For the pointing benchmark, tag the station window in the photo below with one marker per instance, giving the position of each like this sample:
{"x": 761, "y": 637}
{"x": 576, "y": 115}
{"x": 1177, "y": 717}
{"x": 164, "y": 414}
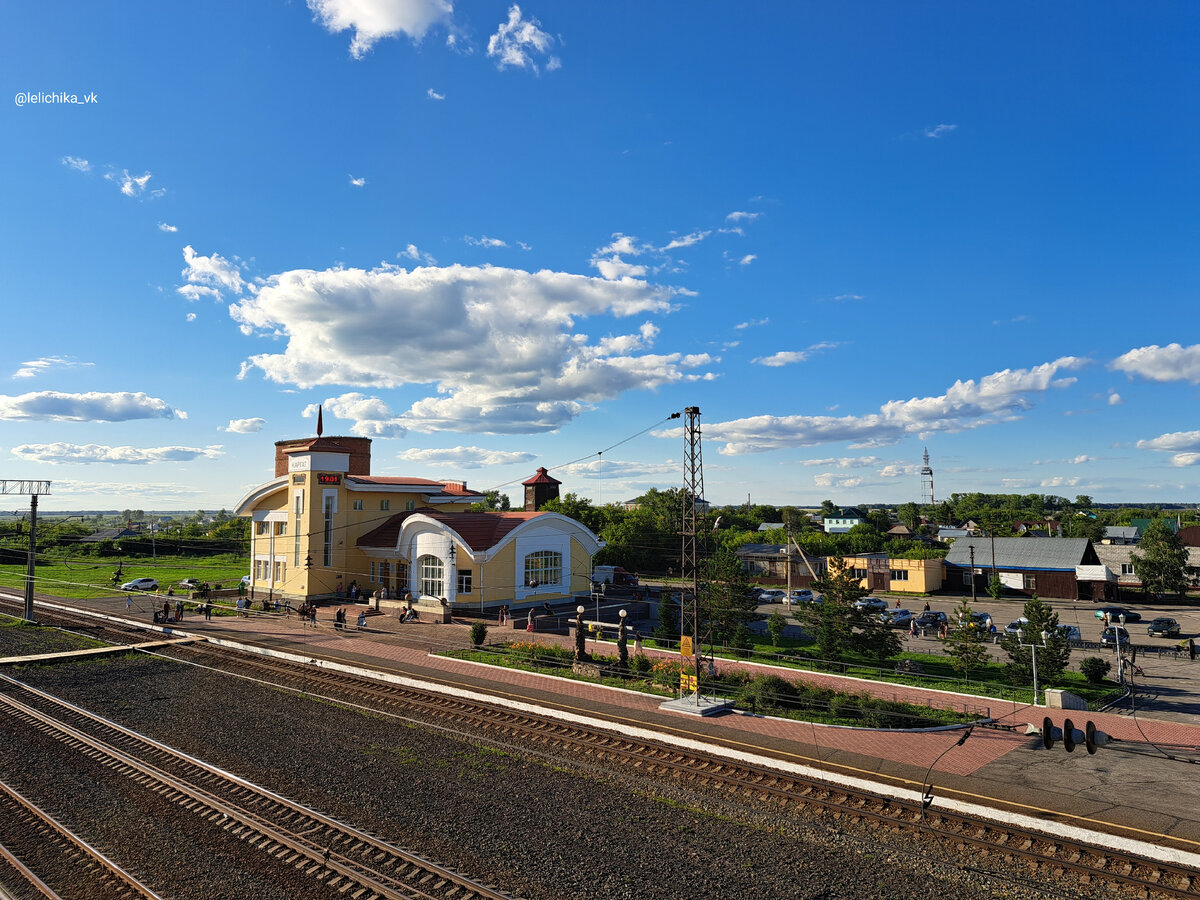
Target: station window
{"x": 358, "y": 504}
{"x": 385, "y": 504}
{"x": 464, "y": 581}
{"x": 261, "y": 528}
{"x": 299, "y": 502}
{"x": 859, "y": 573}
{"x": 1031, "y": 582}
{"x": 543, "y": 567}
{"x": 899, "y": 574}
{"x": 371, "y": 577}
{"x": 431, "y": 577}
{"x": 410, "y": 505}
{"x": 281, "y": 528}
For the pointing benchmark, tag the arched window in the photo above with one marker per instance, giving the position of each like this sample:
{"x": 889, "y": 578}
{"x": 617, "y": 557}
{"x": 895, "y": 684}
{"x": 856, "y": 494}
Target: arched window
{"x": 543, "y": 567}
{"x": 431, "y": 577}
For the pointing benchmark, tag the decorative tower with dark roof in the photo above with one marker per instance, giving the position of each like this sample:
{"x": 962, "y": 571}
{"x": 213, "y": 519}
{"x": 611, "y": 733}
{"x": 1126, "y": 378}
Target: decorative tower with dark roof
{"x": 540, "y": 489}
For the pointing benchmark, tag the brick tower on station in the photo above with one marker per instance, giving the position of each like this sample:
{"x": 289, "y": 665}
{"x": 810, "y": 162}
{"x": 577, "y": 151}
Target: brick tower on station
{"x": 539, "y": 489}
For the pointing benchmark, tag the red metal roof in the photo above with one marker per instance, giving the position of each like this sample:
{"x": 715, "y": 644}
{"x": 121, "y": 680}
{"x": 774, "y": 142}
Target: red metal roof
{"x": 542, "y": 477}
{"x": 479, "y": 530}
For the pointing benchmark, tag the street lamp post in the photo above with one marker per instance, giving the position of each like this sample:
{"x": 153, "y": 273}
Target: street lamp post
{"x": 1033, "y": 649}
{"x": 1117, "y": 632}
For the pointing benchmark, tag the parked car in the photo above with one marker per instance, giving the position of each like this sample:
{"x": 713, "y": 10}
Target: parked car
{"x": 1115, "y": 612}
{"x": 931, "y": 619}
{"x": 801, "y": 596}
{"x": 246, "y": 580}
{"x": 140, "y": 584}
{"x": 979, "y": 620}
{"x": 190, "y": 584}
{"x": 1114, "y": 635}
{"x": 897, "y": 618}
{"x": 1016, "y": 626}
{"x": 874, "y": 603}
{"x": 772, "y": 595}
{"x": 1163, "y": 627}
{"x": 1070, "y": 632}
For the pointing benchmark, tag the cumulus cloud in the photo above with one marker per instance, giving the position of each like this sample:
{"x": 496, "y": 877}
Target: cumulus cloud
{"x": 131, "y": 185}
{"x": 245, "y": 426}
{"x": 434, "y": 95}
{"x": 1059, "y": 481}
{"x": 1173, "y": 362}
{"x": 412, "y": 252}
{"x": 938, "y": 130}
{"x": 739, "y": 216}
{"x": 898, "y": 470}
{"x": 518, "y": 40}
{"x": 499, "y": 345}
{"x": 371, "y": 20}
{"x": 484, "y": 241}
{"x": 357, "y": 182}
{"x": 74, "y": 162}
{"x": 214, "y": 271}
{"x": 1185, "y": 459}
{"x": 466, "y": 457}
{"x": 751, "y": 323}
{"x": 747, "y": 259}
{"x": 190, "y": 317}
{"x": 55, "y": 406}
{"x": 163, "y": 226}
{"x": 97, "y": 453}
{"x": 1001, "y": 396}
{"x": 1175, "y": 440}
{"x": 789, "y": 357}
{"x": 195, "y": 292}
{"x": 828, "y": 479}
{"x": 34, "y": 367}
{"x": 1114, "y": 399}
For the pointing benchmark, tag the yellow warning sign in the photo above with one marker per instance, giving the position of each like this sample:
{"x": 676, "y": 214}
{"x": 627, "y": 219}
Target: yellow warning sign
{"x": 685, "y": 646}
{"x": 687, "y": 682}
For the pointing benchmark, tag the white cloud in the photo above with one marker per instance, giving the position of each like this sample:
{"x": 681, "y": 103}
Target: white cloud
{"x": 897, "y": 470}
{"x": 245, "y": 426}
{"x": 499, "y": 345}
{"x": 74, "y": 162}
{"x": 55, "y": 406}
{"x": 37, "y": 366}
{"x": 739, "y": 216}
{"x": 97, "y": 453}
{"x": 411, "y": 252}
{"x": 1059, "y": 481}
{"x": 1114, "y": 399}
{"x": 466, "y": 457}
{"x": 1185, "y": 459}
{"x": 1175, "y": 440}
{"x": 790, "y": 357}
{"x": 357, "y": 182}
{"x": 828, "y": 479}
{"x": 434, "y": 95}
{"x": 131, "y": 185}
{"x": 751, "y": 323}
{"x": 484, "y": 241}
{"x": 214, "y": 271}
{"x": 195, "y": 292}
{"x": 747, "y": 259}
{"x": 1081, "y": 459}
{"x": 848, "y": 297}
{"x": 1173, "y": 362}
{"x": 517, "y": 41}
{"x": 163, "y": 226}
{"x": 190, "y": 317}
{"x": 1001, "y": 396}
{"x": 372, "y": 20}
{"x": 687, "y": 240}
{"x": 938, "y": 130}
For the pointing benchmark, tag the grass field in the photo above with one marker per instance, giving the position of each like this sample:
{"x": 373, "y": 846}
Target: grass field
{"x": 88, "y": 577}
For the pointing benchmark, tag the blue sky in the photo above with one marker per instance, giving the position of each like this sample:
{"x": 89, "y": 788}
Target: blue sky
{"x": 495, "y": 237}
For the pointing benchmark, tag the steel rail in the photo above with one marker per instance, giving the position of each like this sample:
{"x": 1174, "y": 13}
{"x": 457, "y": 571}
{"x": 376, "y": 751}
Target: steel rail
{"x": 309, "y": 833}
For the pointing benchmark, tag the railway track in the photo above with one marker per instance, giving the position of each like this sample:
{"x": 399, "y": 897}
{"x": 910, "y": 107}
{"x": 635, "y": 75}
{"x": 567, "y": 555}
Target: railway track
{"x": 353, "y": 862}
{"x": 1059, "y": 858}
{"x": 55, "y": 861}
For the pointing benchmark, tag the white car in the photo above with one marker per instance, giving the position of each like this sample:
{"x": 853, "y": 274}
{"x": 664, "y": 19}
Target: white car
{"x": 772, "y": 596}
{"x": 140, "y": 584}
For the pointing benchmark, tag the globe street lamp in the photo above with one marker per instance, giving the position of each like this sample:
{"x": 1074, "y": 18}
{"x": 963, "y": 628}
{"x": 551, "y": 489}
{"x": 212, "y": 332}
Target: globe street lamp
{"x": 1117, "y": 632}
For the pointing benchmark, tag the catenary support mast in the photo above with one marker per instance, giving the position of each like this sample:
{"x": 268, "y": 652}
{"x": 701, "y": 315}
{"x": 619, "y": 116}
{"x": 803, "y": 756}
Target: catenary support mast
{"x": 33, "y": 489}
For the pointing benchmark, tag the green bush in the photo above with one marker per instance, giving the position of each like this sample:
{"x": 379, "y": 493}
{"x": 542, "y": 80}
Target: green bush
{"x": 478, "y": 633}
{"x": 1095, "y": 669}
{"x": 770, "y": 692}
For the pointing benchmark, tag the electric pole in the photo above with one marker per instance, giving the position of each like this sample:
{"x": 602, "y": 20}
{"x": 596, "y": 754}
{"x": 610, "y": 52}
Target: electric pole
{"x": 33, "y": 489}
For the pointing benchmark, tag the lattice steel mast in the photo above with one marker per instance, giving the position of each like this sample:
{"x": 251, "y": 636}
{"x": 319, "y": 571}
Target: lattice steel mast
{"x": 33, "y": 488}
{"x": 692, "y": 556}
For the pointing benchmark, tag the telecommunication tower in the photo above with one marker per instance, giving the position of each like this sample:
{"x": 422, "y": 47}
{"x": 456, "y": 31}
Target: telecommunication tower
{"x": 926, "y": 481}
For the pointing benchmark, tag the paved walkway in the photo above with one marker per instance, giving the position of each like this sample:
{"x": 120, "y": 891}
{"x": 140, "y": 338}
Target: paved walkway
{"x": 1116, "y": 785}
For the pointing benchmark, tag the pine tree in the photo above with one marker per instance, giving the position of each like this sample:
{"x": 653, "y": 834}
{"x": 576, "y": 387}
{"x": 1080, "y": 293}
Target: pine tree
{"x": 1052, "y": 658}
{"x": 965, "y": 643}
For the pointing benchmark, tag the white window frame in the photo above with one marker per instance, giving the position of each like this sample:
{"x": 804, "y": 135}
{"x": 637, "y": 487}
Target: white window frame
{"x": 431, "y": 574}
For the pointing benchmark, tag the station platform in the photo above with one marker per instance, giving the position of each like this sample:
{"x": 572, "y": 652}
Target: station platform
{"x": 1129, "y": 788}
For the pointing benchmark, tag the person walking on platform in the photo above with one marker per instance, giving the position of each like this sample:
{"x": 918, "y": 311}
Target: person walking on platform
{"x": 129, "y": 600}
{"x": 339, "y": 619}
{"x": 179, "y": 610}
{"x": 207, "y": 611}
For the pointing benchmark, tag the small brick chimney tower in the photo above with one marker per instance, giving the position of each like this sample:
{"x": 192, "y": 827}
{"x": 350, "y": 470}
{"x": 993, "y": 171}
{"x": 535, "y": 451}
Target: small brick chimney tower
{"x": 539, "y": 489}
